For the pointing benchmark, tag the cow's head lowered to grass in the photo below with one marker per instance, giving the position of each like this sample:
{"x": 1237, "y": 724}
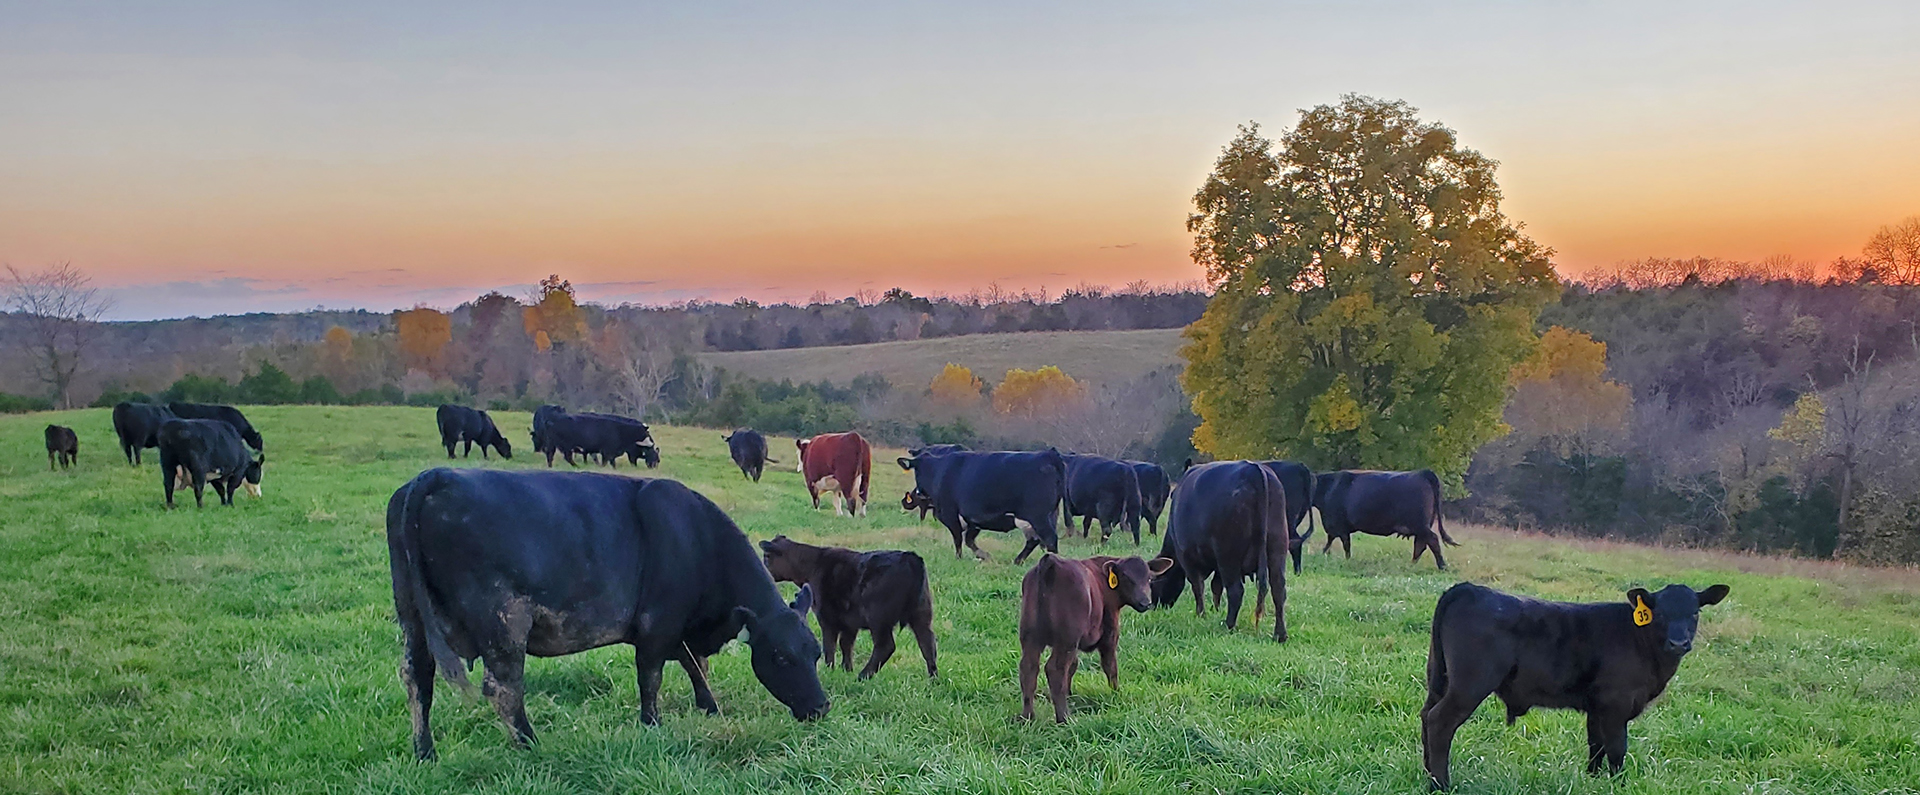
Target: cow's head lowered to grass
{"x": 786, "y": 659}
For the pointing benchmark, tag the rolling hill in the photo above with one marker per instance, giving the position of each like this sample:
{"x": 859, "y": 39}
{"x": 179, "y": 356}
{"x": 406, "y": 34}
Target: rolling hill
{"x": 1098, "y": 356}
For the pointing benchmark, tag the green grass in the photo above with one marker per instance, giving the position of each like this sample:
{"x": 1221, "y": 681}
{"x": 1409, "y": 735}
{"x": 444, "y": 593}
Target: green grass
{"x": 1102, "y": 357}
{"x": 253, "y": 649}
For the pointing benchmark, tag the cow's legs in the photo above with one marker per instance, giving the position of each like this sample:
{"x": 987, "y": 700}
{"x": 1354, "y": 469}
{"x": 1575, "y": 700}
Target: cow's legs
{"x": 1236, "y": 590}
{"x": 167, "y": 478}
{"x": 505, "y": 686}
{"x": 847, "y": 636}
{"x": 1346, "y": 545}
{"x": 416, "y": 672}
{"x": 696, "y": 675}
{"x": 1110, "y": 659}
{"x": 127, "y": 450}
{"x": 1218, "y": 587}
{"x": 1606, "y": 735}
{"x": 883, "y": 646}
{"x": 1029, "y": 677}
{"x": 1328, "y": 547}
{"x": 1086, "y": 525}
{"x": 1199, "y": 598}
{"x": 922, "y": 624}
{"x": 1061, "y": 666}
{"x": 1153, "y": 526}
{"x": 199, "y": 489}
{"x": 50, "y": 466}
{"x": 1439, "y": 722}
{"x": 1276, "y": 584}
{"x": 646, "y": 671}
{"x": 1433, "y": 542}
{"x": 973, "y": 543}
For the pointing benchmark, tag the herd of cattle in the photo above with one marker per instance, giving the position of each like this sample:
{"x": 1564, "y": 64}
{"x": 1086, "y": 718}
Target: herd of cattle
{"x": 496, "y": 565}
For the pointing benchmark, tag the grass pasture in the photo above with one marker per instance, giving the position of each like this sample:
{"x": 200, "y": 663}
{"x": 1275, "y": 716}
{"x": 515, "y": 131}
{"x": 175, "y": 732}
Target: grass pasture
{"x": 252, "y": 649}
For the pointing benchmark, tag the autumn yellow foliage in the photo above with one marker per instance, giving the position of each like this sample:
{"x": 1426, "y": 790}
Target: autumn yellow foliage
{"x": 955, "y": 387}
{"x": 1038, "y": 393}
{"x": 424, "y": 333}
{"x": 556, "y": 316}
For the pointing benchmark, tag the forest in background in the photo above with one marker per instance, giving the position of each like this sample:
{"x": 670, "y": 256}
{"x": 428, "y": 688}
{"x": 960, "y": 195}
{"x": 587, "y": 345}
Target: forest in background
{"x": 1691, "y": 402}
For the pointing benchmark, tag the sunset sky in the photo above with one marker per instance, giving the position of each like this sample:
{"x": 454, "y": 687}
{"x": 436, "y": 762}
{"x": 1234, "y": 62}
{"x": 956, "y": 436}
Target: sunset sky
{"x": 203, "y": 158}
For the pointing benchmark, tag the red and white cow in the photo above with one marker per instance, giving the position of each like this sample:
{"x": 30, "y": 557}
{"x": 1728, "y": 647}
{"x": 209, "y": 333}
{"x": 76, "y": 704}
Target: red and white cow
{"x": 840, "y": 464}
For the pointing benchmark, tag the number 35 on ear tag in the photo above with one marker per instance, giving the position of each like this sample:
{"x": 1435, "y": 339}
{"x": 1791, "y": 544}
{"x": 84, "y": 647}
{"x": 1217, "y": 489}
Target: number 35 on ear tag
{"x": 1113, "y": 580}
{"x": 1642, "y": 614}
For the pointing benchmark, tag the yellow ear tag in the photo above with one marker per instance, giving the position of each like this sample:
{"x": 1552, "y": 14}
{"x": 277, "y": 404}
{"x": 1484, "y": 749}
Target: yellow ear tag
{"x": 1113, "y": 580}
{"x": 1642, "y": 614}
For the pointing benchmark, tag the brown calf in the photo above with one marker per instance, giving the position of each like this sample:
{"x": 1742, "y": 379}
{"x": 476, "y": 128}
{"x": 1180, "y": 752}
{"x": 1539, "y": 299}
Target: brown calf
{"x": 63, "y": 442}
{"x": 1073, "y": 606}
{"x": 877, "y": 591}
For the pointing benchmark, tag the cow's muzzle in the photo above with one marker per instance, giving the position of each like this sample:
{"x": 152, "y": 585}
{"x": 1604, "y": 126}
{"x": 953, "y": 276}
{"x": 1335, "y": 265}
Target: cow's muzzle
{"x": 813, "y": 714}
{"x": 1677, "y": 648}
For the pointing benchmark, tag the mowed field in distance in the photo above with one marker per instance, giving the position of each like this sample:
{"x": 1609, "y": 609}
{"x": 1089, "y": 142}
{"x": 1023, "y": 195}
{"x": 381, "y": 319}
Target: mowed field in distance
{"x": 253, "y": 649}
{"x": 1101, "y": 357}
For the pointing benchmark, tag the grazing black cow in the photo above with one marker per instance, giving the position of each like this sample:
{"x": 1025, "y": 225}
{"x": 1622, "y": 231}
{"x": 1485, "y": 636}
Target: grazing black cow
{"x": 497, "y": 565}
{"x": 1382, "y": 504}
{"x": 994, "y": 491}
{"x": 1228, "y": 521}
{"x": 194, "y": 452}
{"x": 749, "y": 451}
{"x": 605, "y": 436}
{"x": 461, "y": 424}
{"x": 1607, "y": 660}
{"x": 541, "y": 416}
{"x": 1105, "y": 490}
{"x": 226, "y": 414}
{"x": 138, "y": 426}
{"x": 1155, "y": 487}
{"x": 878, "y": 591}
{"x": 64, "y": 443}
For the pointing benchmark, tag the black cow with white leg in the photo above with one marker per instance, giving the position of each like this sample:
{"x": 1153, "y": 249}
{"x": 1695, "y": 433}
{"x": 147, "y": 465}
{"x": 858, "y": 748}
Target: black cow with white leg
{"x": 497, "y": 565}
{"x": 1606, "y": 659}
{"x": 970, "y": 492}
{"x": 194, "y": 453}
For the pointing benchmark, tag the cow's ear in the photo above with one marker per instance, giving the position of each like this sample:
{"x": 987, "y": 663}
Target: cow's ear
{"x": 1159, "y": 566}
{"x": 802, "y": 601}
{"x": 746, "y": 618}
{"x": 766, "y": 546}
{"x": 1713, "y": 594}
{"x": 1640, "y": 600}
{"x": 1188, "y": 464}
{"x": 906, "y": 463}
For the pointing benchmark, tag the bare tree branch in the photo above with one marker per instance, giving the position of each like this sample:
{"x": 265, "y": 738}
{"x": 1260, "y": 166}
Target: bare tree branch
{"x": 62, "y": 309}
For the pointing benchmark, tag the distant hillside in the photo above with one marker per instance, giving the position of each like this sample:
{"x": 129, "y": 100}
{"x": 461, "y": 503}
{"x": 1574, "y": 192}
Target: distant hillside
{"x": 1105, "y": 357}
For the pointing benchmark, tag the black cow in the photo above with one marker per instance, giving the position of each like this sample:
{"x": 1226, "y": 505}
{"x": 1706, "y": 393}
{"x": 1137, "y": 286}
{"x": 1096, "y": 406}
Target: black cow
{"x": 749, "y": 451}
{"x": 1607, "y": 660}
{"x": 605, "y": 436}
{"x": 194, "y": 452}
{"x": 461, "y": 424}
{"x": 1382, "y": 504}
{"x": 1155, "y": 487}
{"x": 1105, "y": 490}
{"x": 63, "y": 443}
{"x": 878, "y": 591}
{"x": 1228, "y": 521}
{"x": 994, "y": 491}
{"x": 541, "y": 416}
{"x": 497, "y": 565}
{"x": 226, "y": 414}
{"x": 138, "y": 426}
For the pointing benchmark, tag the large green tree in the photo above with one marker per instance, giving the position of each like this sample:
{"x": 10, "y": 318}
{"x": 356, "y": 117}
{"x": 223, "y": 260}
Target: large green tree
{"x": 1370, "y": 298}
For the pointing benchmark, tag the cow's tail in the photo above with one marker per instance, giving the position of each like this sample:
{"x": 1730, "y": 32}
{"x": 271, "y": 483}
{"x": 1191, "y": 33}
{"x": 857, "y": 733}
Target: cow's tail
{"x": 1135, "y": 498}
{"x": 1436, "y": 652}
{"x": 1434, "y": 481}
{"x": 425, "y": 611}
{"x": 866, "y": 470}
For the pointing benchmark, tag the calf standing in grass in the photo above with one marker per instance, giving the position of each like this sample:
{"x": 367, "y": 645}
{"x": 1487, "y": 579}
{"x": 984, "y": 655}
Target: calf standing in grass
{"x": 62, "y": 441}
{"x": 877, "y": 591}
{"x": 1072, "y": 606}
{"x": 1607, "y": 660}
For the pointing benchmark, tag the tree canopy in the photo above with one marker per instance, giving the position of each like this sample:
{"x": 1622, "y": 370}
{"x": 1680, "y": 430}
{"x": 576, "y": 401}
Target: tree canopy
{"x": 1371, "y": 298}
